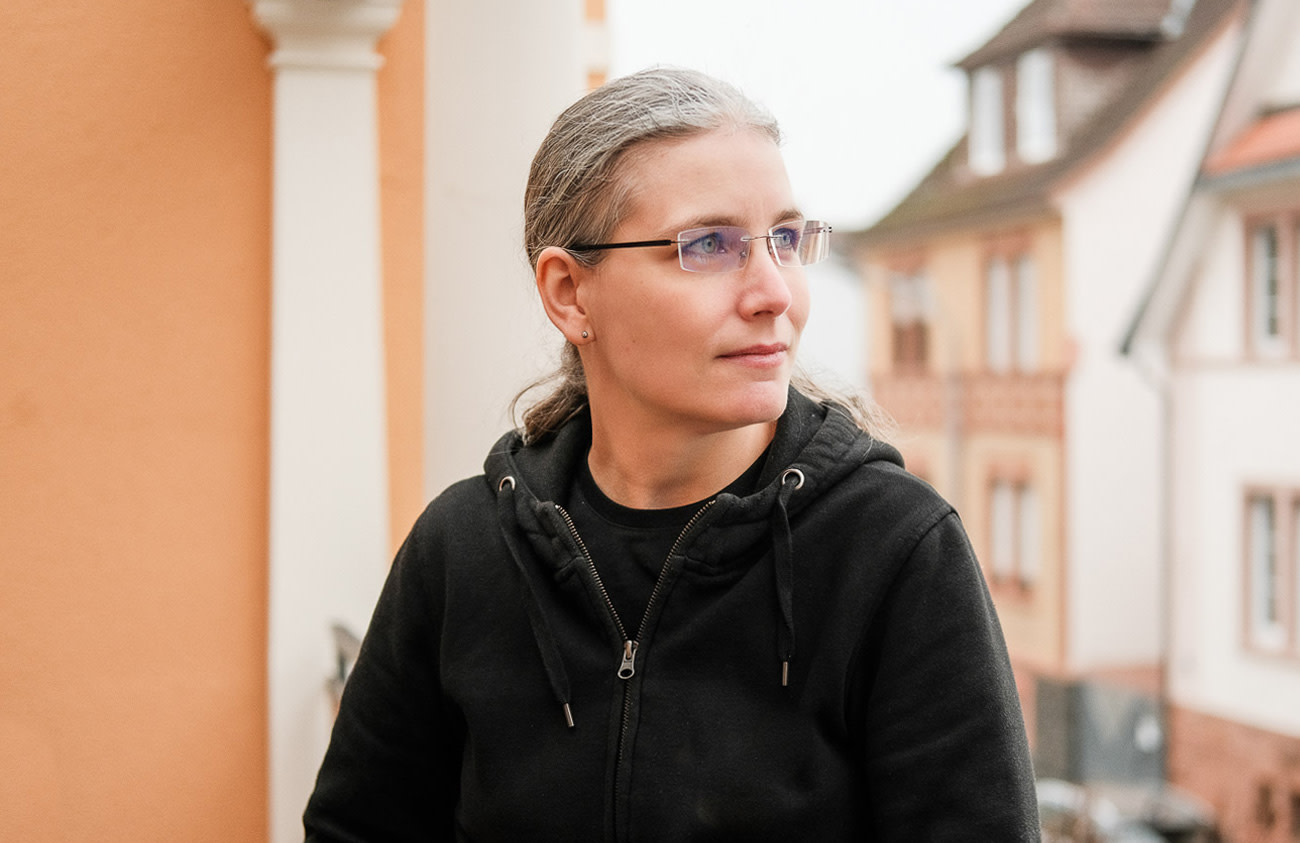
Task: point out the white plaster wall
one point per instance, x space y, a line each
328 536
1213 326
1116 219
497 73
1236 426
329 482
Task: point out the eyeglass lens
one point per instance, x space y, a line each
726 248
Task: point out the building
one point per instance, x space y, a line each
999 291
1219 336
262 293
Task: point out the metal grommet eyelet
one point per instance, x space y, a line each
795 473
504 481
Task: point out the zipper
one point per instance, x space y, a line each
627 653
604 593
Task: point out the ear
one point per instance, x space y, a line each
559 278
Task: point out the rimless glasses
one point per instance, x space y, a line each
725 248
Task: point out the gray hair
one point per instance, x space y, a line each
576 193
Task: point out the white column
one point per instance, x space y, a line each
329 538
498 72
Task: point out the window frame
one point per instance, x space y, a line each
910 305
1012 321
1278 636
1272 299
1015 531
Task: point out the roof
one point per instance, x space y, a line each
1254 146
1271 139
950 195
1044 20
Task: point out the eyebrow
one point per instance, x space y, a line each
721 220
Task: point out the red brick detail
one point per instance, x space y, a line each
1249 777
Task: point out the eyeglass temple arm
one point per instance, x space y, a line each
591 247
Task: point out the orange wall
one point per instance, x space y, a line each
134 341
401 149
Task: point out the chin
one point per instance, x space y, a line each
763 404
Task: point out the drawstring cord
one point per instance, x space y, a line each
783 558
550 651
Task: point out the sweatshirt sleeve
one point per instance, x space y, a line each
946 752
392 768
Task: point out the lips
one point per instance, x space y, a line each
767 354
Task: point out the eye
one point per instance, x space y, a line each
786 237
710 243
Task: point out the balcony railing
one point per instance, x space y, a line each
1015 403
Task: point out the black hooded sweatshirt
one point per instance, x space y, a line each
819 660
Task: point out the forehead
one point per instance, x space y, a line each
732 176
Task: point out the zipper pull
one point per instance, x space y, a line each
627 668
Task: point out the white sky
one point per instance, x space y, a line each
864 89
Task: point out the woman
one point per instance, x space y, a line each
686 601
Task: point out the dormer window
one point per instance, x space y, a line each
987 148
1175 20
1035 107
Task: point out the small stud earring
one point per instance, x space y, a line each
585 335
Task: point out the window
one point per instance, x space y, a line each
1272 570
1273 285
1015 532
1002 511
1266 629
1011 314
1028 534
987 140
1265 288
1035 107
1175 20
1026 305
910 319
997 315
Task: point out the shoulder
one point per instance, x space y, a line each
885 491
463 517
464 497
880 526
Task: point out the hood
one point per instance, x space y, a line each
815 447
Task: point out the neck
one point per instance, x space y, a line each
663 467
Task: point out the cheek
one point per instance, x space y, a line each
633 325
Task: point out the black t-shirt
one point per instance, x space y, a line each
629 546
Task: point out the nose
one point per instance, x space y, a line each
766 290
